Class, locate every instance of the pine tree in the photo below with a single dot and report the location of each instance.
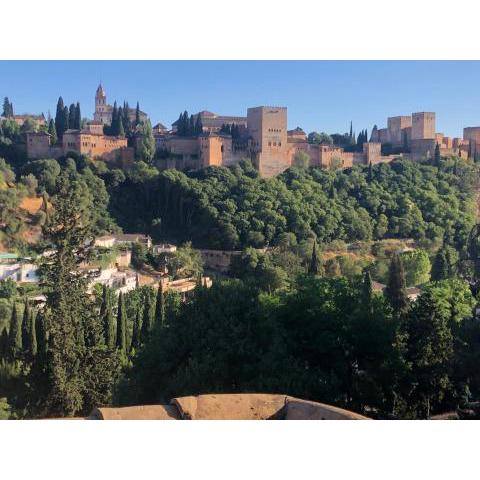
(15, 335)
(26, 327)
(440, 267)
(53, 132)
(436, 157)
(395, 290)
(78, 117)
(121, 325)
(160, 306)
(71, 116)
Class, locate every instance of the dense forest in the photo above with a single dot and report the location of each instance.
(233, 208)
(330, 340)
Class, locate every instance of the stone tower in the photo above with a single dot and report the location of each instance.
(102, 111)
(423, 126)
(267, 127)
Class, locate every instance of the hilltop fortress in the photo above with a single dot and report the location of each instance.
(265, 138)
(262, 136)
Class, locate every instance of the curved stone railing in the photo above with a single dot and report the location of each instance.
(241, 406)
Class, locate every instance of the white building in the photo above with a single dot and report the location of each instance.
(17, 269)
(164, 248)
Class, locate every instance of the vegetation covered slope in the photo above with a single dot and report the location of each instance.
(232, 208)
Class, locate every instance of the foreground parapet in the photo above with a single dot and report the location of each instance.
(241, 406)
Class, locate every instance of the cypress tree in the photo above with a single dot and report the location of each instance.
(33, 336)
(440, 267)
(78, 117)
(314, 267)
(4, 343)
(15, 335)
(185, 123)
(52, 131)
(26, 327)
(121, 130)
(114, 124)
(7, 108)
(137, 115)
(66, 118)
(126, 118)
(191, 126)
(45, 208)
(41, 336)
(71, 116)
(436, 157)
(367, 290)
(121, 325)
(147, 321)
(351, 130)
(137, 331)
(160, 306)
(396, 286)
(106, 317)
(60, 126)
(198, 126)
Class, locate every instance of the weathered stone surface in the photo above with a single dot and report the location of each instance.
(297, 409)
(242, 406)
(140, 412)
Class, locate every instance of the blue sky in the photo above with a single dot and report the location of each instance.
(320, 95)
